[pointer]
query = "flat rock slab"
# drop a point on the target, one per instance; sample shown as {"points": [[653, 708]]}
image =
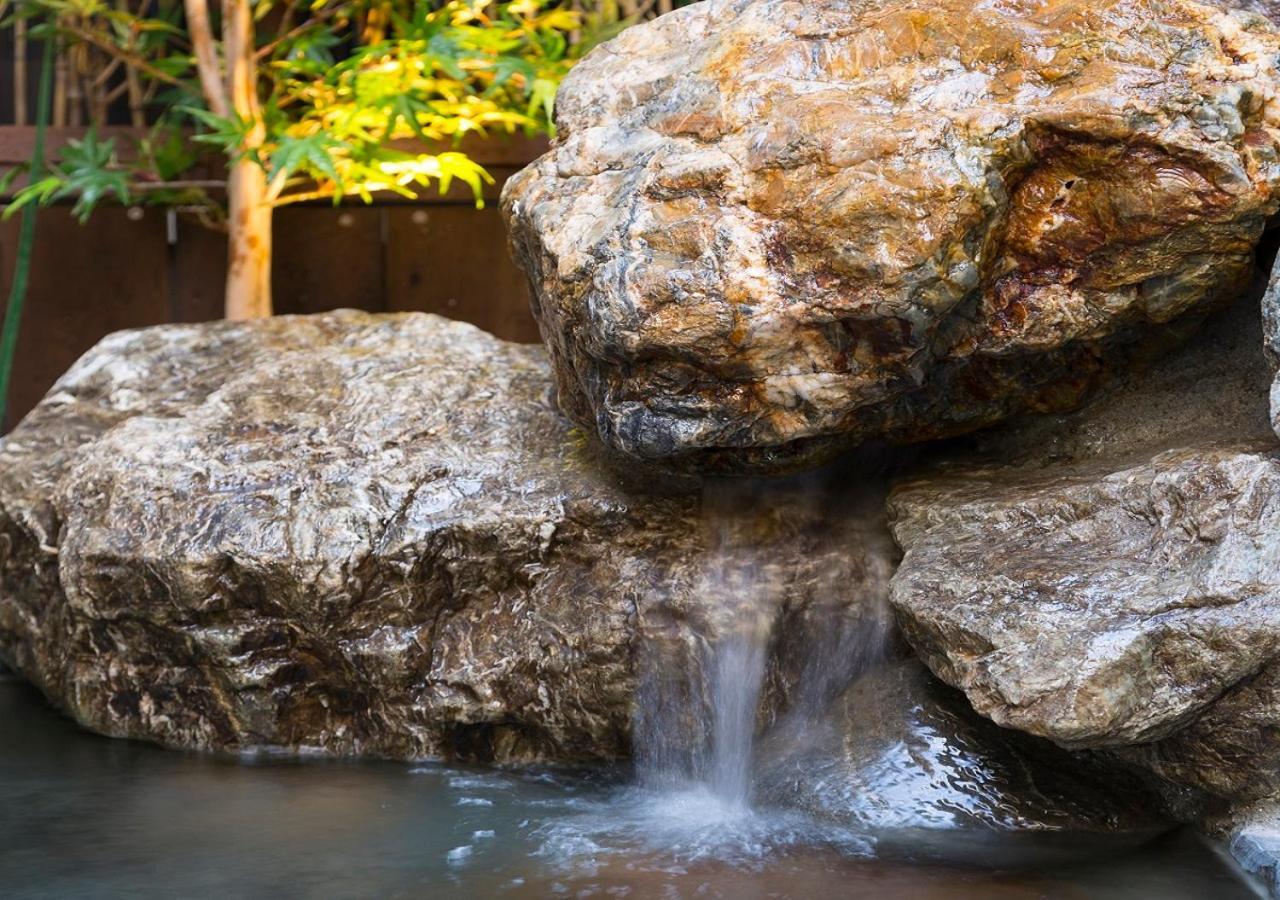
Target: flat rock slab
{"points": [[771, 229], [1082, 581], [352, 534]]}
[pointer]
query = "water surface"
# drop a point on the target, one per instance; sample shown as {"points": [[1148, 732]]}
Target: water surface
{"points": [[84, 816]]}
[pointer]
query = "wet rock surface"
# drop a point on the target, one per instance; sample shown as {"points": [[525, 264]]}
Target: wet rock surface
{"points": [[901, 756], [353, 534], [1111, 579], [770, 229], [1271, 333], [1254, 840]]}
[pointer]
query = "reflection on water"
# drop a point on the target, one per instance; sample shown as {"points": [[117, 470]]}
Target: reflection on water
{"points": [[82, 816]]}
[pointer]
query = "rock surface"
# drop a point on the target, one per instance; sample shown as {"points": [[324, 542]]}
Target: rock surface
{"points": [[1268, 8], [770, 229], [1254, 840], [1111, 579], [354, 534], [902, 756]]}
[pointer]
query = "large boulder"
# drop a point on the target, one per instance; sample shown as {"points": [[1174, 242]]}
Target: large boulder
{"points": [[369, 535], [769, 229], [1111, 579]]}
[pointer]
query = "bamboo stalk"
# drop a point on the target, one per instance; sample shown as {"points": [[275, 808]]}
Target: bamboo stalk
{"points": [[74, 93], [137, 108], [26, 233], [137, 105], [59, 113]]}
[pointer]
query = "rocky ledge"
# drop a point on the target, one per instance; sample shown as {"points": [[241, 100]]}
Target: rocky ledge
{"points": [[770, 229], [371, 535], [1110, 579]]}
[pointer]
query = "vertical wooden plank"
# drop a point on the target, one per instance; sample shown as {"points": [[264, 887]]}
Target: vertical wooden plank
{"points": [[8, 248], [453, 260], [197, 272], [7, 54], [327, 258], [86, 282]]}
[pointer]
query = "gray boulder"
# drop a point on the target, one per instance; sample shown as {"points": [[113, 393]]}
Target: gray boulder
{"points": [[1111, 579], [359, 534], [1268, 8], [887, 221]]}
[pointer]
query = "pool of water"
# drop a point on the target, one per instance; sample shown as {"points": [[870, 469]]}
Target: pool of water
{"points": [[83, 816]]}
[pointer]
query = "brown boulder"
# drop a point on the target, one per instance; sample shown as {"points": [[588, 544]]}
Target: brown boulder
{"points": [[770, 229]]}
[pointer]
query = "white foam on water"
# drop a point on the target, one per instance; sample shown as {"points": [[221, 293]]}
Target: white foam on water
{"points": [[670, 829], [480, 781], [472, 801]]}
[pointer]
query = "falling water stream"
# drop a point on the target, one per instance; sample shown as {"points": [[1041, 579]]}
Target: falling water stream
{"points": [[699, 735], [710, 681], [700, 738], [735, 694]]}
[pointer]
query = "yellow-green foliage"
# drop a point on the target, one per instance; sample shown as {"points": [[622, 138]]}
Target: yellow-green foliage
{"points": [[349, 90]]}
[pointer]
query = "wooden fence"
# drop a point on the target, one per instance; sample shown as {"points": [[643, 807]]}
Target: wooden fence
{"points": [[141, 266]]}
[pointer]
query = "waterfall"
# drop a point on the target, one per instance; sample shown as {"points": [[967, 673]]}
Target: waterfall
{"points": [[701, 677], [708, 659], [782, 605]]}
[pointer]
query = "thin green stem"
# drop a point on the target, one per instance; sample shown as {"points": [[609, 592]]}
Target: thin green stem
{"points": [[27, 232]]}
